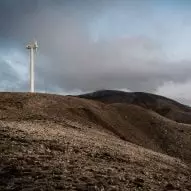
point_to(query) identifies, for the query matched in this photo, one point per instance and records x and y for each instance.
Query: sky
(89, 45)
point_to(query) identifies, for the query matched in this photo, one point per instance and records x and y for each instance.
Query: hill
(129, 122)
(162, 105)
(52, 142)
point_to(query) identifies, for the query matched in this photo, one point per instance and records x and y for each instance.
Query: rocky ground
(39, 152)
(47, 156)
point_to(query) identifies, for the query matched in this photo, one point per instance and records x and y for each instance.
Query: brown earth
(50, 142)
(162, 105)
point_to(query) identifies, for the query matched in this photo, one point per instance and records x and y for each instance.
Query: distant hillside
(162, 105)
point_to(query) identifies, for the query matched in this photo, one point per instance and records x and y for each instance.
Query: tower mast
(32, 47)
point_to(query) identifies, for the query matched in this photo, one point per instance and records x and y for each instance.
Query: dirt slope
(50, 142)
(129, 122)
(162, 105)
(46, 156)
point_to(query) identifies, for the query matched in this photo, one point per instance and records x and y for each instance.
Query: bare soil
(50, 142)
(162, 105)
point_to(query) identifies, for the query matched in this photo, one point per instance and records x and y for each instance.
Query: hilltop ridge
(160, 104)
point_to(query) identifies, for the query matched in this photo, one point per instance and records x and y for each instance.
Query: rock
(139, 182)
(169, 186)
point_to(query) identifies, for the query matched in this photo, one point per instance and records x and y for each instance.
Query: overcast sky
(87, 45)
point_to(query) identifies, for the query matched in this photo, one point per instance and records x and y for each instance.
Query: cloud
(93, 45)
(133, 63)
(177, 91)
(8, 79)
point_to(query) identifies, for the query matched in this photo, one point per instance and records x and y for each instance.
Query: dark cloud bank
(70, 60)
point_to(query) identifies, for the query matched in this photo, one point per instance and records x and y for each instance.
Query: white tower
(32, 48)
